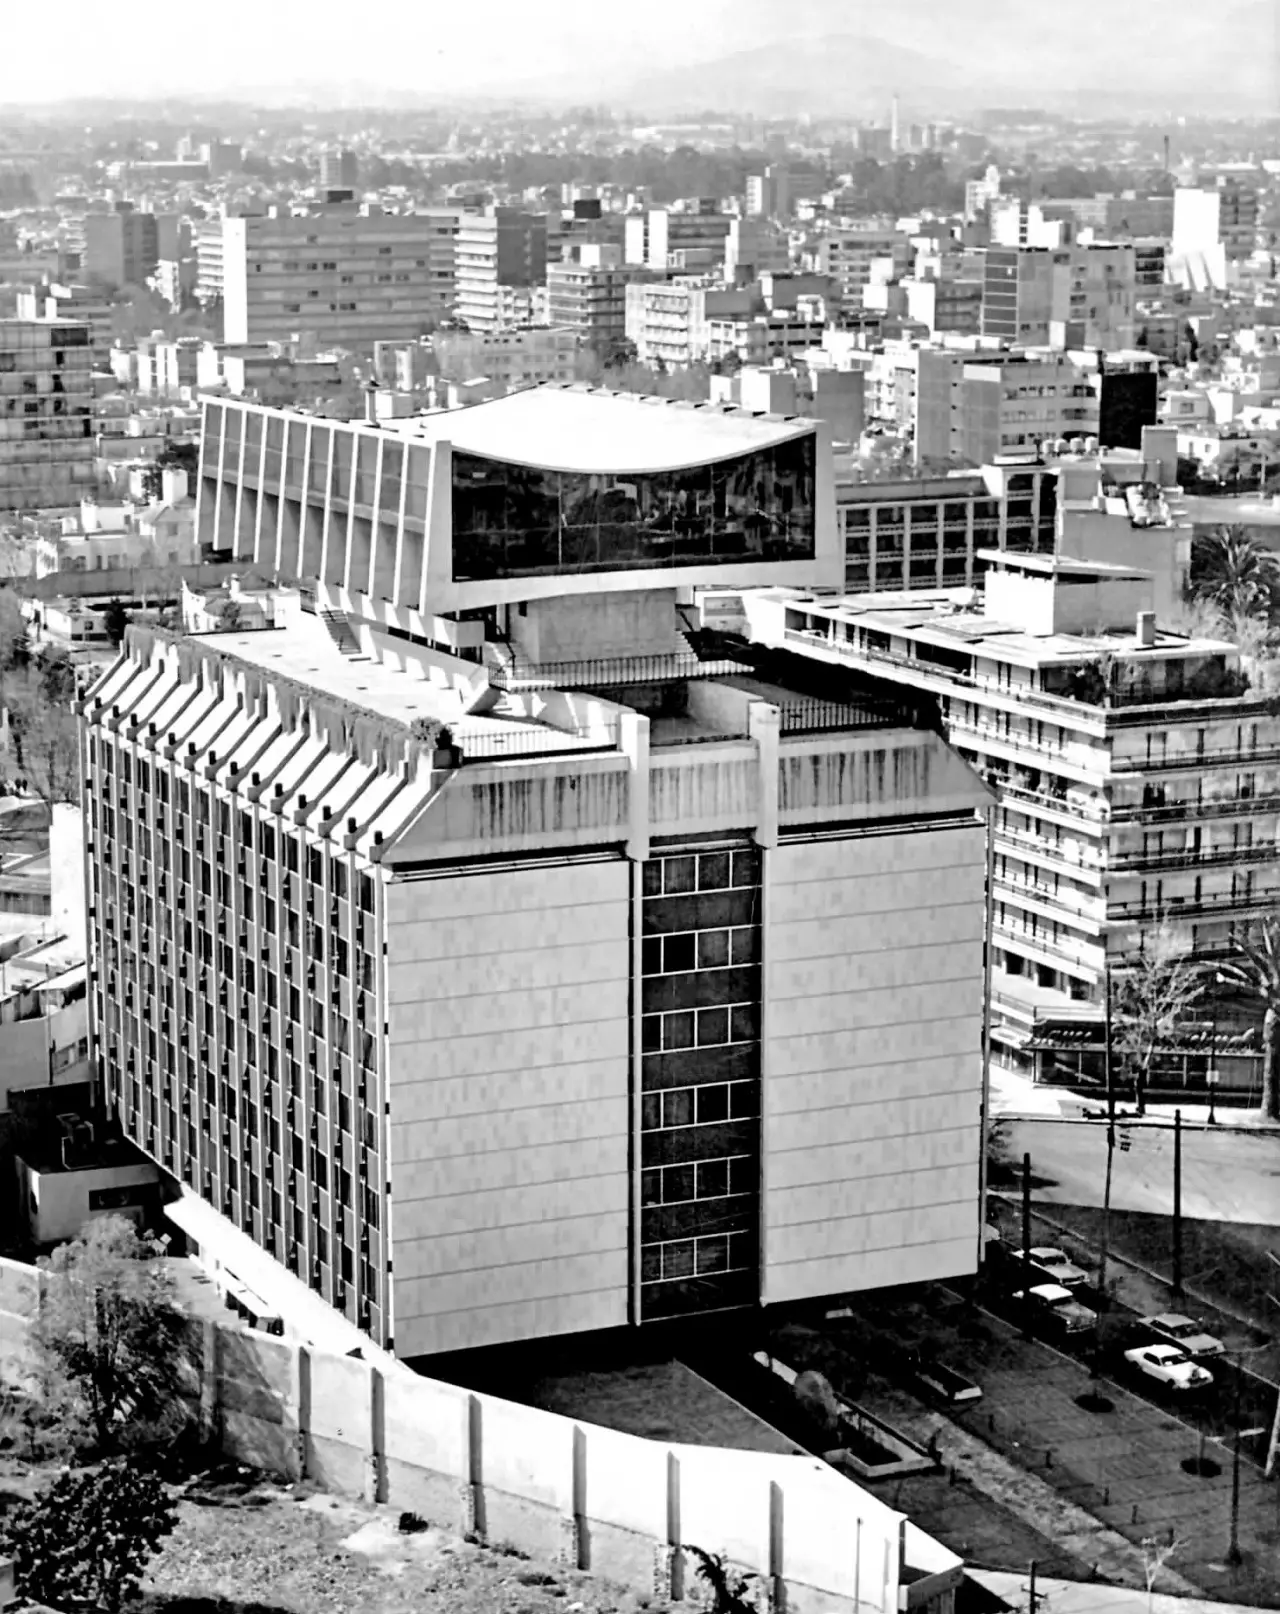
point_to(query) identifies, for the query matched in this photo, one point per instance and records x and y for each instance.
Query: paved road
(1228, 1176)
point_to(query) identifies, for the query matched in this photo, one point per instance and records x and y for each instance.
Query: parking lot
(1124, 1465)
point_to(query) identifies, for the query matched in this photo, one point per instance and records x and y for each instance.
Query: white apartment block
(348, 277)
(1137, 773)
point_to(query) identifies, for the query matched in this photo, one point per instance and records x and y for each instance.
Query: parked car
(1058, 1265)
(1171, 1367)
(1186, 1334)
(1058, 1308)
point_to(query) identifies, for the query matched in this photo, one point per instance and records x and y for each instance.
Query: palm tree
(1234, 573)
(1256, 971)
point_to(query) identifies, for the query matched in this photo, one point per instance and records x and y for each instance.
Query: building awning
(301, 1310)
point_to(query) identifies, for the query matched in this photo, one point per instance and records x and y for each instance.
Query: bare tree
(1255, 970)
(45, 740)
(1155, 1554)
(1153, 997)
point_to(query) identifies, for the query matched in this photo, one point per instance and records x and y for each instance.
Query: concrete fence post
(668, 1567)
(573, 1533)
(210, 1431)
(297, 1409)
(776, 1590)
(375, 1485)
(471, 1485)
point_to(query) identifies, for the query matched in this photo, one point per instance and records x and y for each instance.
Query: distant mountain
(834, 73)
(1192, 59)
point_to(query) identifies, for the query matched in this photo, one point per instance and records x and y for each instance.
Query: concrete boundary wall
(613, 1504)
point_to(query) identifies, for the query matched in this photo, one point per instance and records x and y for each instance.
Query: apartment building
(852, 257)
(934, 532)
(497, 744)
(976, 407)
(590, 297)
(501, 258)
(72, 305)
(124, 247)
(347, 276)
(1137, 776)
(665, 238)
(210, 276)
(754, 247)
(339, 170)
(1222, 217)
(520, 358)
(1069, 296)
(47, 417)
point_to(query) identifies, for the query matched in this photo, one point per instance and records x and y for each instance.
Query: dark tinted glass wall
(524, 521)
(700, 1081)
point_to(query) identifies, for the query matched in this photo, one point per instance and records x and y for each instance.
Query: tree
(115, 619)
(45, 736)
(109, 1339)
(13, 630)
(87, 1540)
(1255, 971)
(1233, 572)
(1151, 999)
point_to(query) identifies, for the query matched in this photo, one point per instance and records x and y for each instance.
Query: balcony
(1042, 801)
(1022, 843)
(1211, 757)
(1180, 811)
(1026, 940)
(1088, 909)
(1174, 908)
(1078, 758)
(1207, 858)
(603, 672)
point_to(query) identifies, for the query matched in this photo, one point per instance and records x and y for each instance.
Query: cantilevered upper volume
(548, 493)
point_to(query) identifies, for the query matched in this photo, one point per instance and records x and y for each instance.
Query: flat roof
(594, 431)
(1061, 565)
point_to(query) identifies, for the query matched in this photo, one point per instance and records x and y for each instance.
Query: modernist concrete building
(347, 276)
(1138, 775)
(501, 258)
(47, 420)
(483, 948)
(1070, 296)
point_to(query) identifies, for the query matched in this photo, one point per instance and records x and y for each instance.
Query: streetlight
(1211, 1075)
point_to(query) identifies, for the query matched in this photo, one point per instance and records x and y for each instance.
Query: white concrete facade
(873, 1060)
(510, 1062)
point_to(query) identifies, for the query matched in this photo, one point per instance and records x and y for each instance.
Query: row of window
(688, 950)
(714, 1027)
(691, 872)
(706, 1105)
(697, 1257)
(705, 1179)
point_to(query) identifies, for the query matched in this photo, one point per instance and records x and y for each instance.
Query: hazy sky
(442, 46)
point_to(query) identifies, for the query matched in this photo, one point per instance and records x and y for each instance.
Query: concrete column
(668, 1567)
(633, 739)
(777, 1556)
(764, 724)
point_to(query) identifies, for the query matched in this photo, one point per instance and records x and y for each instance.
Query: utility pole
(1177, 1202)
(1031, 1588)
(1026, 1244)
(1234, 1555)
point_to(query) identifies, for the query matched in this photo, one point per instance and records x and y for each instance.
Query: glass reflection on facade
(525, 521)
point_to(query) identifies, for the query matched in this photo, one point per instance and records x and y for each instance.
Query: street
(1227, 1175)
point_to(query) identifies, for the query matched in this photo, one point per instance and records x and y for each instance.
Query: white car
(1187, 1335)
(1058, 1308)
(1170, 1367)
(1058, 1265)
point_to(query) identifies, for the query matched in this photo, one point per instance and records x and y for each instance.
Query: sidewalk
(1072, 1597)
(1015, 1097)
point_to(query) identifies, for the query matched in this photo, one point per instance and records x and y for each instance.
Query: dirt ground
(245, 1545)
